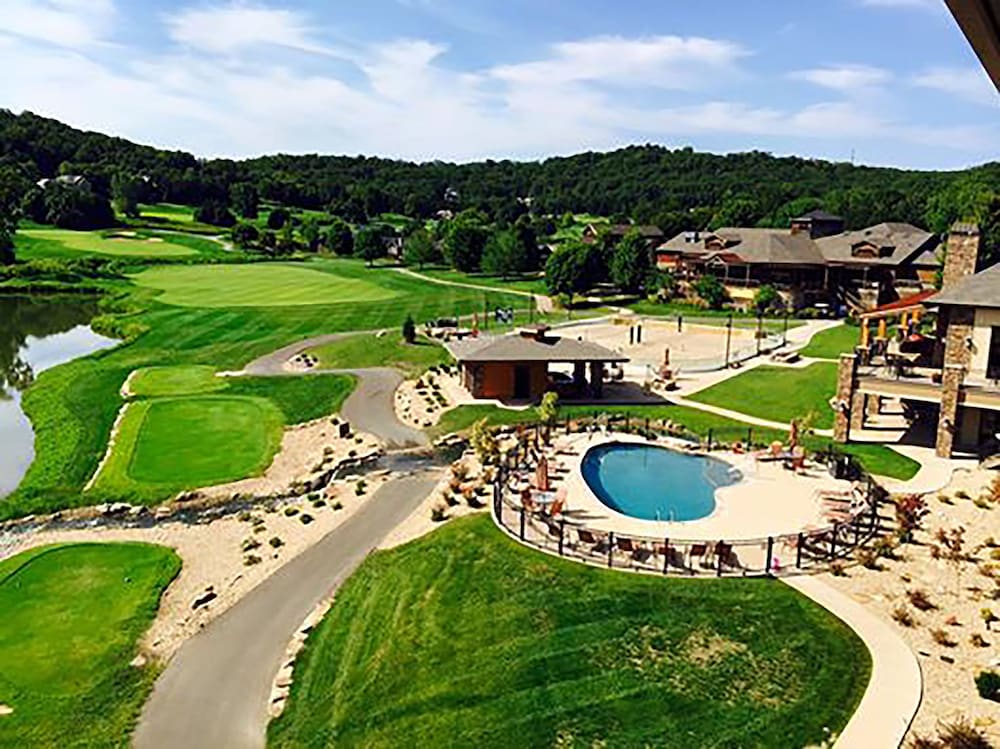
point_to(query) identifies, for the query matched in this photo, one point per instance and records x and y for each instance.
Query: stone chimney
(962, 253)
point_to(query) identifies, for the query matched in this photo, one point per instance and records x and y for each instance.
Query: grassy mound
(257, 285)
(168, 445)
(465, 638)
(180, 380)
(831, 343)
(71, 618)
(388, 350)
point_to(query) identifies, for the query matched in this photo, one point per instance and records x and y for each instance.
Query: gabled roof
(646, 230)
(818, 215)
(904, 242)
(520, 348)
(751, 246)
(979, 290)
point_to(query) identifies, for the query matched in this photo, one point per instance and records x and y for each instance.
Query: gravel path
(214, 692)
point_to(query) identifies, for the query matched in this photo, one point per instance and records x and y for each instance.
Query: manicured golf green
(72, 616)
(466, 638)
(120, 243)
(168, 445)
(832, 342)
(179, 380)
(778, 393)
(258, 285)
(386, 350)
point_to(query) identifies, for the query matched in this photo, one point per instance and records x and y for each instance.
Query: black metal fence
(772, 555)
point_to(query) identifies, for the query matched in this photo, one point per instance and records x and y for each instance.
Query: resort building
(814, 260)
(613, 234)
(516, 366)
(948, 381)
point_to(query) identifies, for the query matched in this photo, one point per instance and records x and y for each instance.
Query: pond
(36, 333)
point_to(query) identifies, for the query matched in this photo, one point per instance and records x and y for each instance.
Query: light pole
(729, 337)
(760, 329)
(784, 332)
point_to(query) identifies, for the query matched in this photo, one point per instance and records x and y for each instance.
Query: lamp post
(729, 337)
(760, 329)
(784, 331)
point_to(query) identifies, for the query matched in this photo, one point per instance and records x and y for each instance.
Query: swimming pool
(655, 483)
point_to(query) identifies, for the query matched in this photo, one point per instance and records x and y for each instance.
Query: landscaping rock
(205, 598)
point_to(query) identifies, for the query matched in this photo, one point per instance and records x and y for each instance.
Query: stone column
(951, 388)
(957, 348)
(962, 253)
(859, 409)
(873, 406)
(845, 394)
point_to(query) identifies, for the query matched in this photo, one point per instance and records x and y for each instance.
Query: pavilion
(516, 366)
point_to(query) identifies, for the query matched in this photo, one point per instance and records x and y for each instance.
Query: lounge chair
(724, 552)
(597, 545)
(636, 551)
(697, 550)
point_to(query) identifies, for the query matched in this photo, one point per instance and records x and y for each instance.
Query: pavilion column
(597, 379)
(846, 371)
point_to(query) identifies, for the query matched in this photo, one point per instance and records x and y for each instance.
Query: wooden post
(770, 554)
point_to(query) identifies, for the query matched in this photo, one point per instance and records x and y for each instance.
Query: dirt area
(420, 403)
(223, 560)
(945, 602)
(308, 452)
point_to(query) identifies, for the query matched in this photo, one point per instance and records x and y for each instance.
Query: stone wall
(845, 396)
(951, 388)
(962, 253)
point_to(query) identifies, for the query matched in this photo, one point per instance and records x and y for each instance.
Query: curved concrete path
(370, 408)
(215, 691)
(895, 688)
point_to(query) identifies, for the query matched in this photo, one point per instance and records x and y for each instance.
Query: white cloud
(845, 78)
(225, 29)
(65, 23)
(971, 84)
(659, 61)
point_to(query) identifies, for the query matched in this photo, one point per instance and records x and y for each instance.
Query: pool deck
(769, 501)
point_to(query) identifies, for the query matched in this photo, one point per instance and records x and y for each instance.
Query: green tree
(631, 263)
(420, 249)
(569, 270)
(311, 230)
(72, 207)
(504, 255)
(13, 186)
(465, 238)
(368, 244)
(409, 330)
(767, 299)
(126, 192)
(277, 218)
(711, 291)
(338, 237)
(737, 211)
(213, 211)
(245, 199)
(245, 235)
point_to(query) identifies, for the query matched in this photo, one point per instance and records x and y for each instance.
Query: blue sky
(891, 81)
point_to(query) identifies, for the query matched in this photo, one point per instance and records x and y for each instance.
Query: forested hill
(676, 189)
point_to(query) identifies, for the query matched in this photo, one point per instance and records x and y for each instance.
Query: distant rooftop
(531, 346)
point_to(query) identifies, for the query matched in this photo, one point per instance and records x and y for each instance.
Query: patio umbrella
(542, 475)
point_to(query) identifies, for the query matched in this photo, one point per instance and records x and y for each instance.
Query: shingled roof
(979, 290)
(901, 241)
(531, 348)
(752, 246)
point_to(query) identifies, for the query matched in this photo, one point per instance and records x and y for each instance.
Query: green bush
(988, 685)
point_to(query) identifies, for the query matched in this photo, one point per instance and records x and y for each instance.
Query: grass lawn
(72, 616)
(877, 459)
(33, 243)
(257, 285)
(388, 350)
(465, 638)
(831, 343)
(778, 393)
(300, 398)
(169, 445)
(182, 380)
(530, 284)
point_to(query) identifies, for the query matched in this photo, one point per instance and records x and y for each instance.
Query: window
(993, 362)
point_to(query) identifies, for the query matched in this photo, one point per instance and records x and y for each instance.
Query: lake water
(36, 333)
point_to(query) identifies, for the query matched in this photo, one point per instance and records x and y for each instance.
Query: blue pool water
(654, 483)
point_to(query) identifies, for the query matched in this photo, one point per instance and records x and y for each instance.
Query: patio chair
(724, 552)
(636, 551)
(697, 550)
(673, 557)
(597, 545)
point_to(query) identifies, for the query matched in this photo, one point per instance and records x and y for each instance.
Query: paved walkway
(896, 687)
(370, 408)
(542, 303)
(215, 690)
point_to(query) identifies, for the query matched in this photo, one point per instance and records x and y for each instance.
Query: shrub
(867, 558)
(244, 517)
(902, 615)
(319, 503)
(988, 685)
(978, 641)
(942, 638)
(291, 511)
(275, 542)
(249, 544)
(251, 559)
(338, 505)
(911, 510)
(990, 542)
(987, 616)
(945, 499)
(438, 513)
(962, 494)
(409, 330)
(919, 600)
(885, 546)
(957, 735)
(361, 488)
(305, 519)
